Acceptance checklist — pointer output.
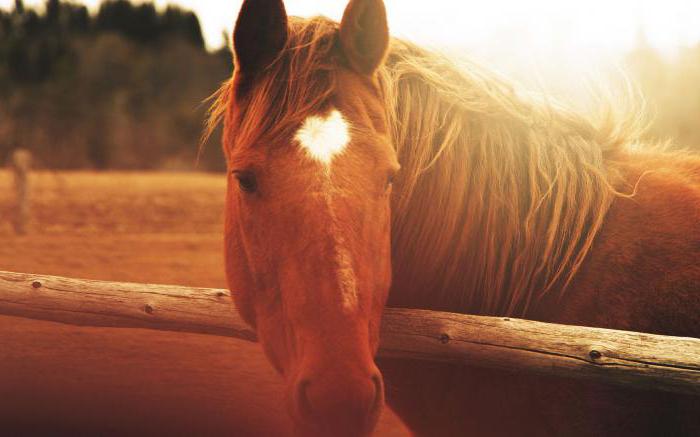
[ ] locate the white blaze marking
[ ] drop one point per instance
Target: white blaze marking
(324, 137)
(346, 273)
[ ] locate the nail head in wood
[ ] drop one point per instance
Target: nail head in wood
(595, 355)
(36, 284)
(148, 309)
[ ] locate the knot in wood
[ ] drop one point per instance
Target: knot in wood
(36, 284)
(149, 309)
(444, 339)
(595, 355)
(220, 294)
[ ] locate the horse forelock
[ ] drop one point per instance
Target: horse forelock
(498, 200)
(298, 84)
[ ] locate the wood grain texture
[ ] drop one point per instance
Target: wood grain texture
(630, 359)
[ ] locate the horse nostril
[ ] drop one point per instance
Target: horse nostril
(303, 397)
(378, 394)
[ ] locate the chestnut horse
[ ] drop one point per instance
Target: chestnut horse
(503, 206)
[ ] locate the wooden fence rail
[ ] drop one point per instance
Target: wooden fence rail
(625, 358)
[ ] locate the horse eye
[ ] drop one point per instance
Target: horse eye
(247, 181)
(390, 180)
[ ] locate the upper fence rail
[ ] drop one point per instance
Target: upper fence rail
(631, 359)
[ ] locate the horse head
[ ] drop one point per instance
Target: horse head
(310, 170)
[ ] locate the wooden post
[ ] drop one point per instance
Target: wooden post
(630, 359)
(20, 163)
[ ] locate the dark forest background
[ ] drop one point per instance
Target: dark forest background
(123, 87)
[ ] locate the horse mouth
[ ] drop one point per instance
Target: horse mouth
(345, 410)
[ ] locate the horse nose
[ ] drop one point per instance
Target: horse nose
(341, 403)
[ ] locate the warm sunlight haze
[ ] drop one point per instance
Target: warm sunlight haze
(367, 218)
(540, 26)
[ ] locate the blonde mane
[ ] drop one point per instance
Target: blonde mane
(505, 194)
(499, 198)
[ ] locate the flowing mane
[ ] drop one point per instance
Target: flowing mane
(505, 195)
(500, 197)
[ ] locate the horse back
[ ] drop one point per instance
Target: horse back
(643, 271)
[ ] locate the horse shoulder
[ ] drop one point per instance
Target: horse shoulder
(643, 271)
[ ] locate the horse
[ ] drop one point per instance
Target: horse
(364, 170)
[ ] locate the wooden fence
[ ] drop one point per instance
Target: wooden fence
(20, 164)
(618, 357)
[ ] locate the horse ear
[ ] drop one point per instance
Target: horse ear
(364, 35)
(260, 35)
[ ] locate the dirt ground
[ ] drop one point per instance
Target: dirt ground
(142, 227)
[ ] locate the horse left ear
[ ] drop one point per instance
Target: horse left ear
(364, 35)
(260, 35)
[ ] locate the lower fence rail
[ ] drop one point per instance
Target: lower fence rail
(631, 359)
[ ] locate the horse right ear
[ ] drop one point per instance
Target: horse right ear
(364, 35)
(260, 35)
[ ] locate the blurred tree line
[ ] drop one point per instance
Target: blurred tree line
(120, 88)
(671, 86)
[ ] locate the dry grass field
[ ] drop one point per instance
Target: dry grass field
(140, 227)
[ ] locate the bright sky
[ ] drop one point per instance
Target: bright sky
(497, 27)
